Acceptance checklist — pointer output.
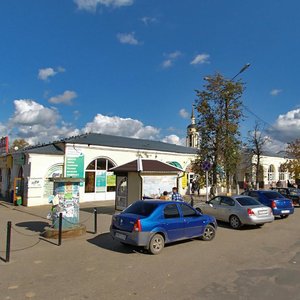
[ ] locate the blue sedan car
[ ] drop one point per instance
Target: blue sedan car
(154, 223)
(280, 205)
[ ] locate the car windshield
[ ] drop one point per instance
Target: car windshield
(141, 208)
(247, 201)
(272, 195)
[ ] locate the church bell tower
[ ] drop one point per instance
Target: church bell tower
(192, 138)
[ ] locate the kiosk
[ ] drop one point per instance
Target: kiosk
(65, 201)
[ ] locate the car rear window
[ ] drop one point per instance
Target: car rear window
(272, 195)
(141, 208)
(247, 201)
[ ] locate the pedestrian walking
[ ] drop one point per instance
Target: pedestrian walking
(175, 195)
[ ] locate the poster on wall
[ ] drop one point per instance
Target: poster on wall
(53, 172)
(154, 186)
(111, 179)
(74, 163)
(184, 181)
(100, 181)
(121, 193)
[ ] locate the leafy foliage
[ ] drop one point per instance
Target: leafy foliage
(220, 112)
(293, 164)
(18, 144)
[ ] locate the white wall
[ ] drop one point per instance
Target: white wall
(38, 165)
(37, 170)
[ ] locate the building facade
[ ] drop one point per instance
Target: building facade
(30, 173)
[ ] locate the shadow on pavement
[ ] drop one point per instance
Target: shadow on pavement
(244, 227)
(105, 241)
(106, 210)
(36, 226)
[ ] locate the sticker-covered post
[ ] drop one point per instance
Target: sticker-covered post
(206, 166)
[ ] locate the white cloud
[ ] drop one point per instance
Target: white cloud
(170, 58)
(3, 130)
(121, 127)
(184, 114)
(127, 38)
(29, 112)
(148, 20)
(200, 59)
(37, 124)
(76, 114)
(287, 127)
(91, 5)
(174, 139)
(275, 92)
(167, 63)
(45, 73)
(65, 98)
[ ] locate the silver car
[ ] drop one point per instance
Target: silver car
(237, 210)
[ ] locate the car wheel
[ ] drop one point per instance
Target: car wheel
(235, 222)
(156, 244)
(209, 233)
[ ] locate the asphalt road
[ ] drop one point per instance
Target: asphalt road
(251, 263)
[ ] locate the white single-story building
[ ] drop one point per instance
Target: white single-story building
(30, 173)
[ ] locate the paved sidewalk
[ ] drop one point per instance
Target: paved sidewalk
(30, 222)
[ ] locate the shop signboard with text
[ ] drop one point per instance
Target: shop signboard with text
(74, 163)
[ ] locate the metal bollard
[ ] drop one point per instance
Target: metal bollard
(8, 239)
(95, 219)
(60, 229)
(192, 201)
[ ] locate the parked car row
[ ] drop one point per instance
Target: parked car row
(289, 192)
(153, 223)
(281, 206)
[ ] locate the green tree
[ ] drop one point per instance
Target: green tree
(18, 144)
(219, 109)
(293, 163)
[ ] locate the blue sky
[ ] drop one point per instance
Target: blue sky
(130, 67)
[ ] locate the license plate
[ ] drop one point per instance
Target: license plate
(262, 212)
(120, 236)
(285, 211)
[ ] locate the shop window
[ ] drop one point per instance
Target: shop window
(98, 178)
(91, 166)
(89, 182)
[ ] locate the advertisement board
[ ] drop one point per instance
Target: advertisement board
(74, 163)
(154, 186)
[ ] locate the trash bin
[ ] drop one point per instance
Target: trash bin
(18, 200)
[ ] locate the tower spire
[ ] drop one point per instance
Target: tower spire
(192, 132)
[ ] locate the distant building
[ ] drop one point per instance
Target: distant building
(271, 169)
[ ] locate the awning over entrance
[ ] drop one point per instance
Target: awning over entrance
(175, 164)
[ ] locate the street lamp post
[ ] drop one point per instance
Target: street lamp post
(244, 68)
